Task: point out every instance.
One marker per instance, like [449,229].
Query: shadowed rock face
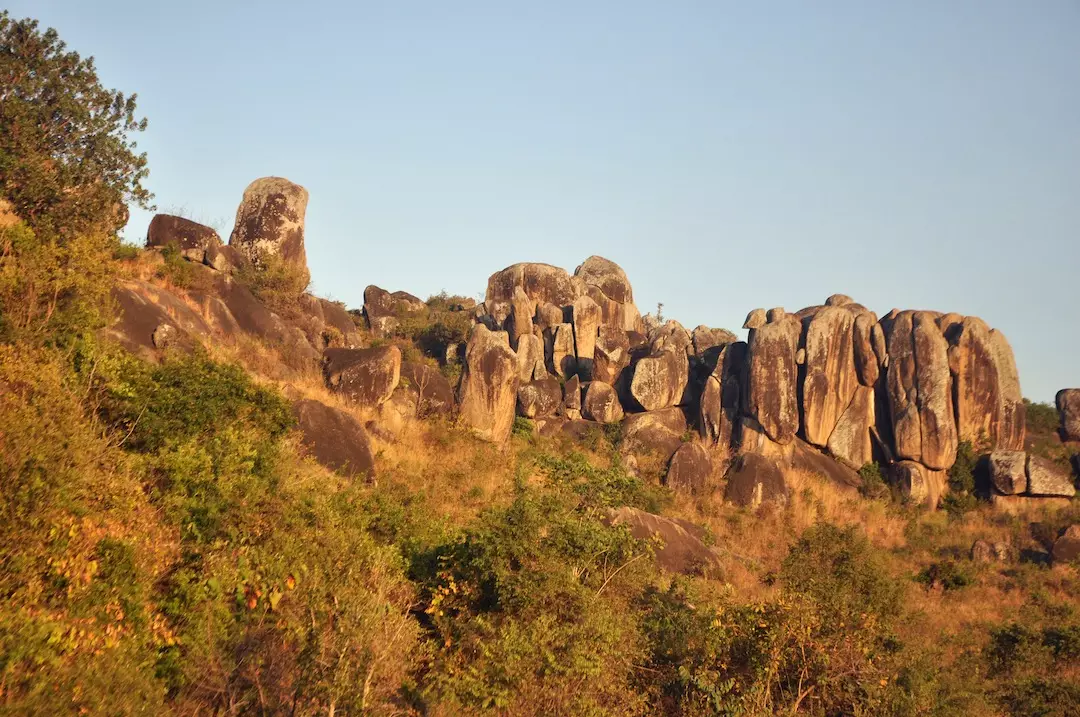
[850,441]
[1008,471]
[1068,406]
[541,283]
[682,549]
[611,355]
[656,432]
[718,408]
[489,385]
[191,238]
[754,479]
[771,396]
[1067,546]
[366,376]
[918,483]
[559,350]
[530,357]
[690,469]
[705,338]
[586,323]
[867,362]
[335,439]
[920,391]
[432,393]
[270,222]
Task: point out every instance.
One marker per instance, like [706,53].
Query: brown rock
[671,336]
[655,432]
[1046,479]
[1008,471]
[720,399]
[838,300]
[1067,546]
[830,380]
[804,457]
[142,309]
[335,439]
[541,282]
[659,380]
[601,403]
[559,351]
[520,323]
[547,317]
[432,393]
[754,479]
[919,484]
[489,385]
[366,376]
[607,276]
[690,469]
[850,442]
[270,222]
[681,548]
[771,396]
[1068,406]
[586,323]
[989,405]
[222,258]
[250,313]
[539,398]
[530,356]
[336,316]
[379,310]
[571,404]
[190,238]
[705,338]
[920,391]
[983,551]
[867,364]
[755,319]
[611,355]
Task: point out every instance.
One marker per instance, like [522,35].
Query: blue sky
[729,155]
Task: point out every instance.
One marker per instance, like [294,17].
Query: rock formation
[1068,406]
[270,223]
[489,384]
[365,376]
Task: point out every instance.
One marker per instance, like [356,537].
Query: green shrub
[873,482]
[276,283]
[1042,418]
[961,496]
[1049,696]
[948,574]
[182,273]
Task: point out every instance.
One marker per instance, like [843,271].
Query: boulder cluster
[827,389]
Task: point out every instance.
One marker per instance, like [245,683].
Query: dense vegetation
[166,548]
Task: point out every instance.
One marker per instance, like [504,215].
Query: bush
[873,485]
[276,283]
[1042,418]
[961,496]
[949,575]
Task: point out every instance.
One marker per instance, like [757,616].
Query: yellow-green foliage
[276,283]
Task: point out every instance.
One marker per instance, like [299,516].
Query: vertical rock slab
[530,357]
[365,376]
[607,284]
[989,405]
[718,408]
[559,350]
[919,484]
[270,222]
[1009,431]
[520,323]
[1068,406]
[586,319]
[489,385]
[850,442]
[867,363]
[771,395]
[831,379]
[571,405]
[601,403]
[659,380]
[611,355]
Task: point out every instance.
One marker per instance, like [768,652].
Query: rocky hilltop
[829,388]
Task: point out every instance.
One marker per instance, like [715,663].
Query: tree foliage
[67,163]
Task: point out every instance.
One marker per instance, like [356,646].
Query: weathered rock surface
[366,376]
[655,432]
[867,362]
[383,308]
[1067,546]
[1008,471]
[539,398]
[988,401]
[671,336]
[851,442]
[432,393]
[805,458]
[606,284]
[771,396]
[559,351]
[190,238]
[920,391]
[718,408]
[1046,479]
[755,319]
[143,308]
[1068,406]
[690,469]
[705,338]
[530,357]
[586,321]
[754,479]
[522,310]
[918,483]
[270,222]
[489,385]
[682,549]
[831,380]
[983,551]
[659,380]
[541,282]
[611,355]
[335,439]
[601,403]
[571,404]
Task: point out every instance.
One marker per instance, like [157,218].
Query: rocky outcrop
[335,439]
[559,352]
[678,543]
[601,403]
[1008,471]
[919,484]
[718,407]
[190,238]
[754,479]
[611,355]
[771,385]
[850,441]
[988,402]
[704,338]
[920,391]
[690,469]
[606,284]
[830,378]
[541,283]
[431,393]
[539,398]
[367,377]
[659,380]
[586,322]
[489,385]
[659,433]
[270,223]
[1046,479]
[1068,406]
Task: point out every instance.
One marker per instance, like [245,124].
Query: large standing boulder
[850,442]
[867,362]
[690,469]
[559,350]
[530,356]
[606,283]
[335,439]
[1068,406]
[679,544]
[190,238]
[718,408]
[671,336]
[520,323]
[1008,471]
[601,403]
[658,433]
[366,376]
[754,479]
[489,385]
[919,484]
[541,283]
[611,355]
[431,392]
[920,391]
[660,379]
[1046,479]
[831,379]
[270,223]
[539,398]
[705,338]
[586,320]
[771,396]
[987,391]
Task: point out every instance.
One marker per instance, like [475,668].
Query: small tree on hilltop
[66,162]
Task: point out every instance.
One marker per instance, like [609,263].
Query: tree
[67,164]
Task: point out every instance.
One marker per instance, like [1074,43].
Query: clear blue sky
[729,155]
